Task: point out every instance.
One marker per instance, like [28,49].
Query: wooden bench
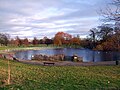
[48,63]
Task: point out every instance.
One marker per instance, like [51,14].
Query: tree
[112,12]
[18,41]
[75,41]
[93,36]
[100,34]
[41,41]
[26,42]
[105,32]
[12,42]
[35,41]
[48,41]
[57,40]
[62,38]
[4,39]
[112,43]
[115,39]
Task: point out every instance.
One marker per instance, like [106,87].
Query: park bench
[48,63]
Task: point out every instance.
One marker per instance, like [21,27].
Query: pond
[87,54]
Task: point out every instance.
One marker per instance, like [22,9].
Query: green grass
[25,47]
[33,77]
[10,47]
[39,45]
[18,47]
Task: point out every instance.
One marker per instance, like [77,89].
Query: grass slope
[33,77]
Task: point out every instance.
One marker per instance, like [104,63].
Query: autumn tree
[61,38]
[115,39]
[111,43]
[57,40]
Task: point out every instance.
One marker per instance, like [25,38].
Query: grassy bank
[22,47]
[31,77]
[38,46]
[5,49]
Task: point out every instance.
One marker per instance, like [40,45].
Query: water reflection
[88,55]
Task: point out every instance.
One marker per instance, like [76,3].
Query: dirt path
[69,63]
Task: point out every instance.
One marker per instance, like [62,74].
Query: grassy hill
[33,77]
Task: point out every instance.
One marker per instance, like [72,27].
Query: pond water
[87,54]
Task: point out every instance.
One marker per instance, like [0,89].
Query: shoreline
[57,63]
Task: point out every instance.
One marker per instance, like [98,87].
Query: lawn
[23,47]
[33,77]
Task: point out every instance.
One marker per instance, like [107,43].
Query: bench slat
[48,63]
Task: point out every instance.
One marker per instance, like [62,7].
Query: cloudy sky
[39,18]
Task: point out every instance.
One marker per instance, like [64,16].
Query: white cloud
[38,18]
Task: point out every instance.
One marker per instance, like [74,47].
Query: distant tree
[105,32]
[12,42]
[41,41]
[105,46]
[75,41]
[86,43]
[93,36]
[25,42]
[115,39]
[18,41]
[112,43]
[35,41]
[4,39]
[48,41]
[61,38]
[58,41]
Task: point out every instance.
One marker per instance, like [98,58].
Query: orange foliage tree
[62,38]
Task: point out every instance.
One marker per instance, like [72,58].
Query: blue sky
[39,18]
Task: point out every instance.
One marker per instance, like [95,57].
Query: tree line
[61,38]
[103,37]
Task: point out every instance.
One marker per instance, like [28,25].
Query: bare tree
[112,12]
[105,32]
[93,35]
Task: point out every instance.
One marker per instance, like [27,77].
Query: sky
[40,18]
